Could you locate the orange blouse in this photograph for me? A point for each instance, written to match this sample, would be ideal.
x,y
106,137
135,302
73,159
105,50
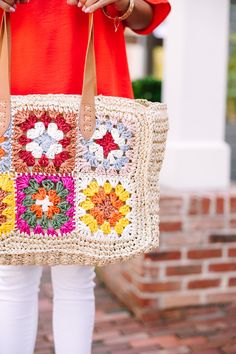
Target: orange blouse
x,y
49,45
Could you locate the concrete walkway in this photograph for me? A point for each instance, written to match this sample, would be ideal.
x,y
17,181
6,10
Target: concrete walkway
x,y
205,330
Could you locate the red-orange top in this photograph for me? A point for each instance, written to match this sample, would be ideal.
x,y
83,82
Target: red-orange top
x,y
49,44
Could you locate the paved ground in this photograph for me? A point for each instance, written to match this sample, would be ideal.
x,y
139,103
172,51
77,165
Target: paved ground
x,y
206,330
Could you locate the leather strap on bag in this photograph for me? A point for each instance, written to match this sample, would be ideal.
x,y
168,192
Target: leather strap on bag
x,y
87,119
5,109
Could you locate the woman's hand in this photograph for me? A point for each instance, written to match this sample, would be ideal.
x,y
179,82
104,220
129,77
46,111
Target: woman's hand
x,y
10,5
140,17
93,5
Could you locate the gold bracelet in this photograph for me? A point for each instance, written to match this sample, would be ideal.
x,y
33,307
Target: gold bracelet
x,y
118,19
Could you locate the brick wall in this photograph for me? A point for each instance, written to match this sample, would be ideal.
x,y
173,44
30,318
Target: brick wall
x,y
196,261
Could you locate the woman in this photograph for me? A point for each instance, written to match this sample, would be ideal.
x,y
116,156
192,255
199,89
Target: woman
x,y
49,40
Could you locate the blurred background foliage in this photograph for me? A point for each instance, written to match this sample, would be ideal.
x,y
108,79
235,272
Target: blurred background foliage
x,y
148,88
231,94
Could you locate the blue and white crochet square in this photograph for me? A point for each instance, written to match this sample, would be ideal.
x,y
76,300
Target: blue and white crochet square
x,y
110,149
5,151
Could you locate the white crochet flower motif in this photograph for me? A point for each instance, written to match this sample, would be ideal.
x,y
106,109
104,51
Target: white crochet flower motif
x,y
45,141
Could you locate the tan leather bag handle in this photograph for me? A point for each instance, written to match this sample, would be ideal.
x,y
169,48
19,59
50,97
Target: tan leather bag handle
x,y
5,109
87,119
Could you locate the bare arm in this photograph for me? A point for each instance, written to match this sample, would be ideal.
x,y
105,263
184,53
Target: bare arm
x,y
140,17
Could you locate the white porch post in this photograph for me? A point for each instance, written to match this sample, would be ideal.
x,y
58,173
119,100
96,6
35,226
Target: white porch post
x,y
196,56
136,54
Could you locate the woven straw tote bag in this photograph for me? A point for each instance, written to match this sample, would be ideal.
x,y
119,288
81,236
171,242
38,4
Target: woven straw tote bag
x,y
78,173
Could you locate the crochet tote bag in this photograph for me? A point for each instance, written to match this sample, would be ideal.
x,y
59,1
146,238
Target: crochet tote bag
x,y
78,173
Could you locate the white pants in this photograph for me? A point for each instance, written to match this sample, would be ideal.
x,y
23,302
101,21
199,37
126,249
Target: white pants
x,y
73,308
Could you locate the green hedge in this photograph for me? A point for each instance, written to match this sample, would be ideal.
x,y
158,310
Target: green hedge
x,y
231,94
148,88
232,75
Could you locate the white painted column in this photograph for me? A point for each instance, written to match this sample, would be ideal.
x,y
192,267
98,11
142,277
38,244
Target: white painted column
x,y
136,54
195,81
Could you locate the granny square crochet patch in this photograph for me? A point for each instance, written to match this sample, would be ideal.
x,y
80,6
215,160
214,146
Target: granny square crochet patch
x,y
7,204
45,204
104,207
110,149
44,141
5,151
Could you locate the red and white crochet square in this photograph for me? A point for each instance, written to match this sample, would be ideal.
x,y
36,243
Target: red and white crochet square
x,y
44,141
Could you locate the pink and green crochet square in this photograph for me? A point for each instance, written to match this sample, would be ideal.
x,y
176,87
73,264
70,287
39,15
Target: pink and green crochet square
x,y
45,204
44,141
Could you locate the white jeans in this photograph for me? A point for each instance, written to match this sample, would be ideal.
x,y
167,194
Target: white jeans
x,y
73,308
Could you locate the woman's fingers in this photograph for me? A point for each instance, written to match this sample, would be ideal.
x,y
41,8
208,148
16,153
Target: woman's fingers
x,y
79,3
88,3
9,2
10,5
95,5
72,2
7,5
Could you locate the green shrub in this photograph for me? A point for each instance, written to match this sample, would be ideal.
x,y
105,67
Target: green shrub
x,y
231,94
232,75
148,88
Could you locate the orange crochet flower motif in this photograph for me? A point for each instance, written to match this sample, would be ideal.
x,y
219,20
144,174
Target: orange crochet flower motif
x,y
45,201
105,207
